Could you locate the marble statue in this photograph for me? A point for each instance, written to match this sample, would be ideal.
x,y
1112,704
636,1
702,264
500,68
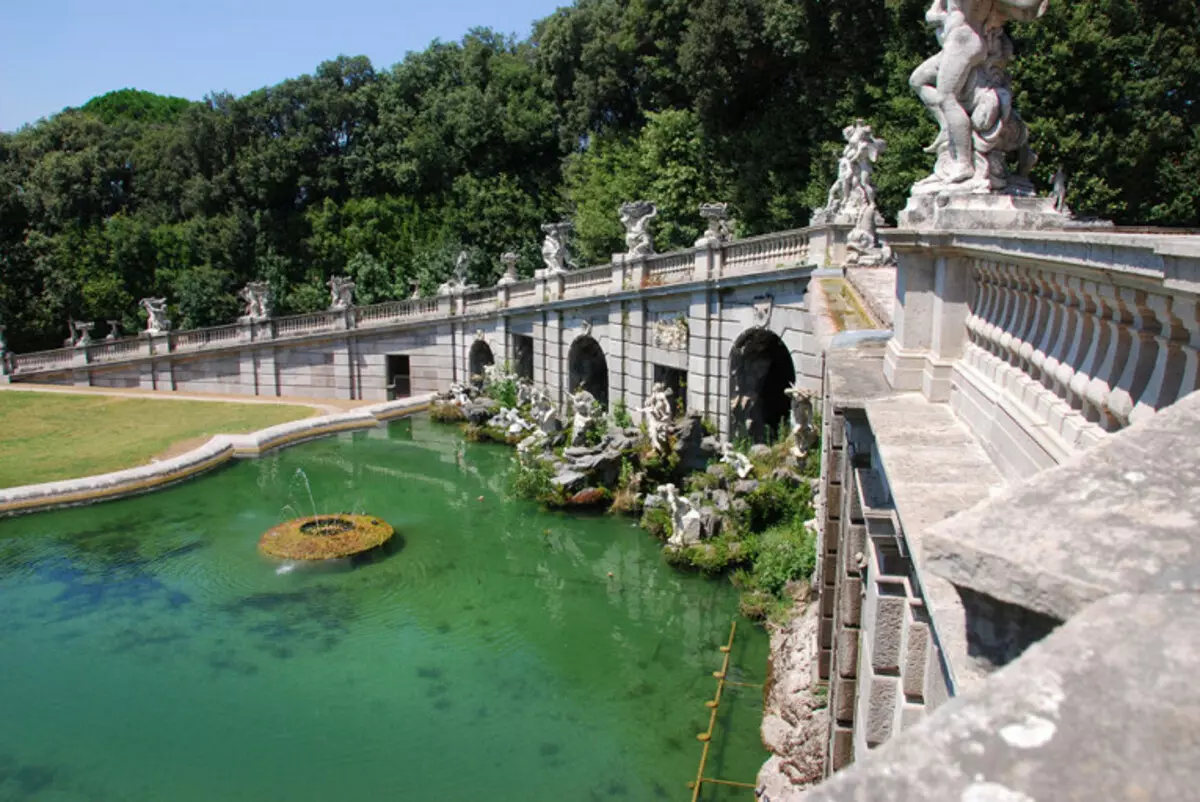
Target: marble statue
x,y
659,415
967,89
459,394
509,260
545,414
687,525
458,282
719,225
741,464
341,293
259,303
510,421
854,190
586,412
555,255
414,287
524,392
83,332
114,330
156,315
1058,192
804,422
863,246
636,217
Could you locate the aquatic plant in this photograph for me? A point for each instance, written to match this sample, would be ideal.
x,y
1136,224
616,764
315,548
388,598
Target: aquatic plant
x,y
325,537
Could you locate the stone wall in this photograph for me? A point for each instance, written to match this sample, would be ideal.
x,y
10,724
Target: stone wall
x,y
689,325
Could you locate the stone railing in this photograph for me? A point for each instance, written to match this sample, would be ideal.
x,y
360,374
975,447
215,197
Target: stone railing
x,y
1043,343
203,338
669,268
479,301
391,311
590,281
522,293
116,350
766,252
43,360
308,324
1082,354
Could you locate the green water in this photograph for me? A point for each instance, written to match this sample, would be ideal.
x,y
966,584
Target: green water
x,y
148,652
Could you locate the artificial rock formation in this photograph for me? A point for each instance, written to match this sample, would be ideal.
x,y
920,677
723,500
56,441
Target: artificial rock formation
x,y
341,293
259,303
156,315
636,217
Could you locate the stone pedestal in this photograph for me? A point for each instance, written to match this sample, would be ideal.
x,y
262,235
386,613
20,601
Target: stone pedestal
x,y
969,212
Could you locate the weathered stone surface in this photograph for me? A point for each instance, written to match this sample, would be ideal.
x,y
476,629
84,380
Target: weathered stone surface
x,y
568,479
795,719
1121,517
745,487
694,449
1107,707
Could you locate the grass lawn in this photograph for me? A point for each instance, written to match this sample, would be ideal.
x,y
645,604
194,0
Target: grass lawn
x,y
50,436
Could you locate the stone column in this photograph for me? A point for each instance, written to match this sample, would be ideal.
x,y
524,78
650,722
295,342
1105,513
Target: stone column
x,y
954,286
912,325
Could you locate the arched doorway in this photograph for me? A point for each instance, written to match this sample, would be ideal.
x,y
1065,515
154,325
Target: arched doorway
x,y
587,368
760,371
481,356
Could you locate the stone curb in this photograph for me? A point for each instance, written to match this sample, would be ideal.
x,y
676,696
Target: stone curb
x,y
217,451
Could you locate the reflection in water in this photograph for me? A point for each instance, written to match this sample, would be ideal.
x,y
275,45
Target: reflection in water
x,y
504,653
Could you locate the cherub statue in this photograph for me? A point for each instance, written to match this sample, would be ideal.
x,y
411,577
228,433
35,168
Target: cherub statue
x,y
636,217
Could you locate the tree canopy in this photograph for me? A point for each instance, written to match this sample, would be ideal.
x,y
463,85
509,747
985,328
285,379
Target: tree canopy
x,y
386,175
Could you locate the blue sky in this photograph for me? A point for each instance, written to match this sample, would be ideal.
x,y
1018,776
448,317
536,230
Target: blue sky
x,y
57,54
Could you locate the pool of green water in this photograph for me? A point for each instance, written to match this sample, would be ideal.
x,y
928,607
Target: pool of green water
x,y
148,652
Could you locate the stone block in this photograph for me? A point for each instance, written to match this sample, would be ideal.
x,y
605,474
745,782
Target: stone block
x,y
851,601
846,649
841,751
888,634
881,710
844,699
915,660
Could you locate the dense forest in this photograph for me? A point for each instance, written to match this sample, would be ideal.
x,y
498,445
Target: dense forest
x,y
386,175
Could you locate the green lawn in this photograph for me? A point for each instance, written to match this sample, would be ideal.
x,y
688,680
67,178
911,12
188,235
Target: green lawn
x,y
49,436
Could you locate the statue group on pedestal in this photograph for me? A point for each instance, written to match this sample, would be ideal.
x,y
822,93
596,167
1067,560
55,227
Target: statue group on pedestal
x,y
341,293
156,316
259,302
636,217
457,285
967,89
719,226
853,191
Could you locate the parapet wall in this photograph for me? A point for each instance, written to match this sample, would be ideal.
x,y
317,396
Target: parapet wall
x,y
1008,485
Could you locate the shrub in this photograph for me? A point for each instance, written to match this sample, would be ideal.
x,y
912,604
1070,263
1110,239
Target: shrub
x,y
785,553
531,479
657,521
774,501
620,414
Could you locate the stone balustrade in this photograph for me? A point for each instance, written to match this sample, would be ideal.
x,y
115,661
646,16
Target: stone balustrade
x,y
768,252
1044,344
